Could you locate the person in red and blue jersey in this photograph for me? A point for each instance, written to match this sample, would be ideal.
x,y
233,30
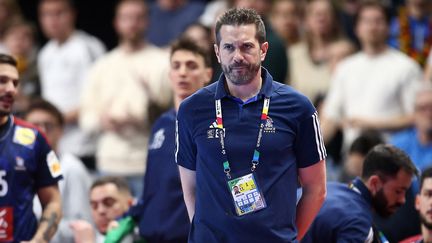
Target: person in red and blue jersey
x,y
28,167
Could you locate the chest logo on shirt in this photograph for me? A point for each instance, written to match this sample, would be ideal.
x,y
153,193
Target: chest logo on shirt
x,y
158,139
214,131
24,136
19,163
268,126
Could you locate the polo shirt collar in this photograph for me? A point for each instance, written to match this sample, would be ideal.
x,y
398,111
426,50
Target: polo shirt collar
x,y
363,190
266,88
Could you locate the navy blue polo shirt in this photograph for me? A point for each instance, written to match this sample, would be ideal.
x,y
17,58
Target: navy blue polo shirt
x,y
27,164
345,215
161,212
291,140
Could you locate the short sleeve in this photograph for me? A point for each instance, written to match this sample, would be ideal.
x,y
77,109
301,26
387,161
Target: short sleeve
x,y
185,147
48,170
309,145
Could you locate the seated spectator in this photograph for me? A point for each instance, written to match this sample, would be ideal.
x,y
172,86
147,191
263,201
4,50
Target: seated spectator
x,y
9,12
110,198
127,89
309,59
76,179
423,204
19,40
411,30
63,63
361,95
285,17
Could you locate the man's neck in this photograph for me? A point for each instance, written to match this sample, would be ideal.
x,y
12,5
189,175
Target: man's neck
x,y
177,101
374,50
61,40
427,234
415,12
132,46
246,91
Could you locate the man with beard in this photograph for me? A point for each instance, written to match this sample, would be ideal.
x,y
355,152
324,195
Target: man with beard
x,y
424,206
247,115
346,215
28,166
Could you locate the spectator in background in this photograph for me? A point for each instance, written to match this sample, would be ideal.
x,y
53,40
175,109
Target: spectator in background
x,y
411,30
357,152
348,10
19,40
76,179
169,18
362,96
63,64
127,89
110,198
276,61
423,204
310,72
285,19
9,12
417,140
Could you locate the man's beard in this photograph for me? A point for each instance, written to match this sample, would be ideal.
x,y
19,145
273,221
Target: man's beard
x,y
424,222
239,79
380,204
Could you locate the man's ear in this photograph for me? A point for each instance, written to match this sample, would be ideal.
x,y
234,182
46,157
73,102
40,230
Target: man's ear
x,y
263,49
209,74
374,184
417,202
216,50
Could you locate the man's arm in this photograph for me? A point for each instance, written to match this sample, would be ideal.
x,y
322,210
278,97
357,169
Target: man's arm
x,y
50,199
313,182
188,181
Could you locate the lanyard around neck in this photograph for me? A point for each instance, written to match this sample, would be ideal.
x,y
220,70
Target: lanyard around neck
x,y
221,129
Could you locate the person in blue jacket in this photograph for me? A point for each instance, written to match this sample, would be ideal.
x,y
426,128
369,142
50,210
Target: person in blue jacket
x,y
161,212
249,131
346,215
28,167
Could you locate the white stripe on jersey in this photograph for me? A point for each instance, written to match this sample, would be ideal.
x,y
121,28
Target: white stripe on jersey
x,y
318,137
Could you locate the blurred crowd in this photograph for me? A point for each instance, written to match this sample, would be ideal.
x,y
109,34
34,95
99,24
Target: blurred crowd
x,y
370,81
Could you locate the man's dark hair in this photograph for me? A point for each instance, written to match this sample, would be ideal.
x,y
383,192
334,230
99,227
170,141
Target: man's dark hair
x,y
6,59
386,161
427,173
239,17
187,44
41,104
119,182
365,142
373,4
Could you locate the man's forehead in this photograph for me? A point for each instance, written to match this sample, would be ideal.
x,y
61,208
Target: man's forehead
x,y
9,71
186,56
238,31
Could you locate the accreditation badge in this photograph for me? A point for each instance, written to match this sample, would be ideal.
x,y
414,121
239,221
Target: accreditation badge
x,y
246,194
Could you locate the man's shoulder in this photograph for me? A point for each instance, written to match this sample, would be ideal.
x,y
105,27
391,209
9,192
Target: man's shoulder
x,y
400,59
